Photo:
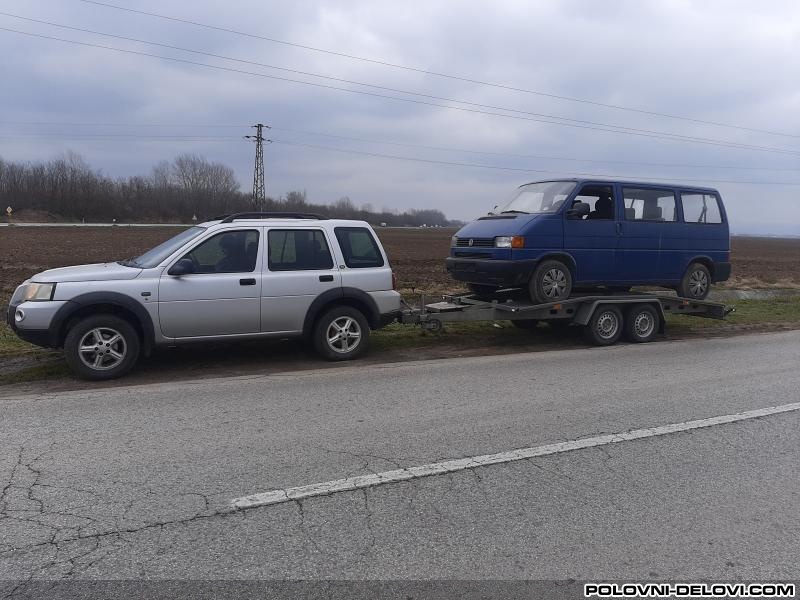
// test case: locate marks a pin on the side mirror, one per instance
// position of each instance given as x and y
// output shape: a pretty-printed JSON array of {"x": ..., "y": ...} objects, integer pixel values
[
  {"x": 578, "y": 210},
  {"x": 183, "y": 267}
]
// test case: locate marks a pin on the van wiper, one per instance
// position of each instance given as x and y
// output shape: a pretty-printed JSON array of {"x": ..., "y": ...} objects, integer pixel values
[
  {"x": 519, "y": 212},
  {"x": 129, "y": 262}
]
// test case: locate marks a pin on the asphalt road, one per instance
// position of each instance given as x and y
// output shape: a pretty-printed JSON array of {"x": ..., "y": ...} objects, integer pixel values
[{"x": 138, "y": 482}]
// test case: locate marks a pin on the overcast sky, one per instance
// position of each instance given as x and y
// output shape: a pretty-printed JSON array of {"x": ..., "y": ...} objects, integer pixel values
[{"x": 713, "y": 60}]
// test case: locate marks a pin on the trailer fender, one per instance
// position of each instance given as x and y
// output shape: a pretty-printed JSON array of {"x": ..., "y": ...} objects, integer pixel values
[{"x": 586, "y": 311}]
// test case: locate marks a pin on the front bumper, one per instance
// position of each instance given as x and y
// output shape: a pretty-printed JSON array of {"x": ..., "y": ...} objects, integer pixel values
[
  {"x": 35, "y": 329},
  {"x": 485, "y": 271}
]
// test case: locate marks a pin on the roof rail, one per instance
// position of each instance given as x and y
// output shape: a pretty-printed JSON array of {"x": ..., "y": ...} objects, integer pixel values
[{"x": 270, "y": 215}]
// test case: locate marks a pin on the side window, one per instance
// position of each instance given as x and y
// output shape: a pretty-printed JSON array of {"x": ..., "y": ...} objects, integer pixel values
[
  {"x": 600, "y": 199},
  {"x": 359, "y": 248},
  {"x": 298, "y": 250},
  {"x": 700, "y": 208},
  {"x": 649, "y": 205},
  {"x": 228, "y": 252}
]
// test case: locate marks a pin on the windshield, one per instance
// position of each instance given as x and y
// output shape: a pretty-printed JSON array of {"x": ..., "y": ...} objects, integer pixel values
[
  {"x": 542, "y": 197},
  {"x": 153, "y": 258}
]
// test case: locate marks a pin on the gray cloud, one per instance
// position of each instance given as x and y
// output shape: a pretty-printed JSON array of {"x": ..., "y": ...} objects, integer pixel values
[{"x": 734, "y": 62}]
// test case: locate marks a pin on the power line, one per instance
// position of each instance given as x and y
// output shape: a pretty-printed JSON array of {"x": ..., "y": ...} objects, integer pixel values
[
  {"x": 602, "y": 127},
  {"x": 439, "y": 74},
  {"x": 112, "y": 138},
  {"x": 609, "y": 126},
  {"x": 533, "y": 156},
  {"x": 404, "y": 158},
  {"x": 226, "y": 138},
  {"x": 524, "y": 170}
]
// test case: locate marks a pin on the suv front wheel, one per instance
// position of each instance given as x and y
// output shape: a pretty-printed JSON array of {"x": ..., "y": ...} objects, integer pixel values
[
  {"x": 101, "y": 347},
  {"x": 342, "y": 333}
]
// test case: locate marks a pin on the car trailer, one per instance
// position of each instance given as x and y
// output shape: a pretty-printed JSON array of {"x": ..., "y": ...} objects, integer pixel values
[{"x": 604, "y": 318}]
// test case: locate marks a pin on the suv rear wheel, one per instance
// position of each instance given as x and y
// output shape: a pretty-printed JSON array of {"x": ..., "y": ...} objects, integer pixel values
[
  {"x": 342, "y": 333},
  {"x": 551, "y": 282},
  {"x": 101, "y": 347}
]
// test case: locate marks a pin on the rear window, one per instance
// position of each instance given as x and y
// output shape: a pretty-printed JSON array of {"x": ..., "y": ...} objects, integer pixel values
[
  {"x": 298, "y": 250},
  {"x": 359, "y": 248},
  {"x": 700, "y": 208}
]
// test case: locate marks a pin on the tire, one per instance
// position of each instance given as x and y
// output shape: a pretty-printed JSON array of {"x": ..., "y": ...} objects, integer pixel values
[
  {"x": 551, "y": 282},
  {"x": 334, "y": 322},
  {"x": 696, "y": 282},
  {"x": 641, "y": 323},
  {"x": 605, "y": 326},
  {"x": 525, "y": 323},
  {"x": 481, "y": 290},
  {"x": 111, "y": 347}
]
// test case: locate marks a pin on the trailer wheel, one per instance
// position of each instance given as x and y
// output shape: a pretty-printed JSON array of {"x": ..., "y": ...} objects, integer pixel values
[
  {"x": 605, "y": 326},
  {"x": 641, "y": 323},
  {"x": 551, "y": 282},
  {"x": 525, "y": 323}
]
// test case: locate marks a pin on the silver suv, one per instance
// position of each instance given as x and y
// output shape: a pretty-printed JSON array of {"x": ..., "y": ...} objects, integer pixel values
[{"x": 248, "y": 275}]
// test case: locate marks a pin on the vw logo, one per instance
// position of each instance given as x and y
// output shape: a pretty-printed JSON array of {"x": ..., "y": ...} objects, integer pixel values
[{"x": 471, "y": 241}]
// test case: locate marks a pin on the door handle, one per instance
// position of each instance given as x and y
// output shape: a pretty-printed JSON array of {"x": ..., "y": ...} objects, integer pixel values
[
  {"x": 619, "y": 228},
  {"x": 326, "y": 277},
  {"x": 249, "y": 281}
]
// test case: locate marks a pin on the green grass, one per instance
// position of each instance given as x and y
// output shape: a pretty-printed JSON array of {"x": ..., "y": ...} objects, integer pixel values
[
  {"x": 748, "y": 312},
  {"x": 11, "y": 345},
  {"x": 35, "y": 373}
]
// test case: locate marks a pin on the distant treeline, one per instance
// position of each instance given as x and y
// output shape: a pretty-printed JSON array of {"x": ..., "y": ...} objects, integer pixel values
[{"x": 188, "y": 187}]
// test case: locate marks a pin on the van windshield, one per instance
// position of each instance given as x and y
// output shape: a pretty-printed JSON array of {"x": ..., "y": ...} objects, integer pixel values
[{"x": 542, "y": 197}]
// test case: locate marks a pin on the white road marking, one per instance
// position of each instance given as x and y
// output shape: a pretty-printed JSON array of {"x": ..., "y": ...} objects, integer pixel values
[{"x": 450, "y": 466}]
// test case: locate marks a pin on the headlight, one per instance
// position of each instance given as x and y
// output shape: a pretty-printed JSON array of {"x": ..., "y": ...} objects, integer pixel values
[
  {"x": 37, "y": 292},
  {"x": 453, "y": 241},
  {"x": 509, "y": 241}
]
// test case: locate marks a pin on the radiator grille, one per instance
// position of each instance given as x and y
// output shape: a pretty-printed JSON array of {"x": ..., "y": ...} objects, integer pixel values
[{"x": 476, "y": 242}]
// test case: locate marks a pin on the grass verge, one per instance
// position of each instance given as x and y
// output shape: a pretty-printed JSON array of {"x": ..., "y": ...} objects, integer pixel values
[{"x": 404, "y": 342}]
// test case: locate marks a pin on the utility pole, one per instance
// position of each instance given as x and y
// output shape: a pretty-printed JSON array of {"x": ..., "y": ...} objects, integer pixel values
[{"x": 259, "y": 194}]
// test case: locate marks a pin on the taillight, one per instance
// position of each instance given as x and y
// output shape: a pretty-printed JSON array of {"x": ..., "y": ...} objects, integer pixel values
[{"x": 394, "y": 281}]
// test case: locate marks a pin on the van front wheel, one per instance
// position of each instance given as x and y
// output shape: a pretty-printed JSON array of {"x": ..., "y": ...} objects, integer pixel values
[
  {"x": 551, "y": 282},
  {"x": 696, "y": 282}
]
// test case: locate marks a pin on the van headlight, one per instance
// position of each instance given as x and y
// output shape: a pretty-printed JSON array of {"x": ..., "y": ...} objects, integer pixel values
[
  {"x": 509, "y": 241},
  {"x": 38, "y": 292},
  {"x": 453, "y": 242}
]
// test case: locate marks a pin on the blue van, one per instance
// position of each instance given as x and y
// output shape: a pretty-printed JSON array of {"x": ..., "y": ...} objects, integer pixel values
[{"x": 556, "y": 236}]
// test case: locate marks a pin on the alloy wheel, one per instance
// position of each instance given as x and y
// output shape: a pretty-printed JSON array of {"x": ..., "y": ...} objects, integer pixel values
[
  {"x": 102, "y": 348},
  {"x": 344, "y": 334}
]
